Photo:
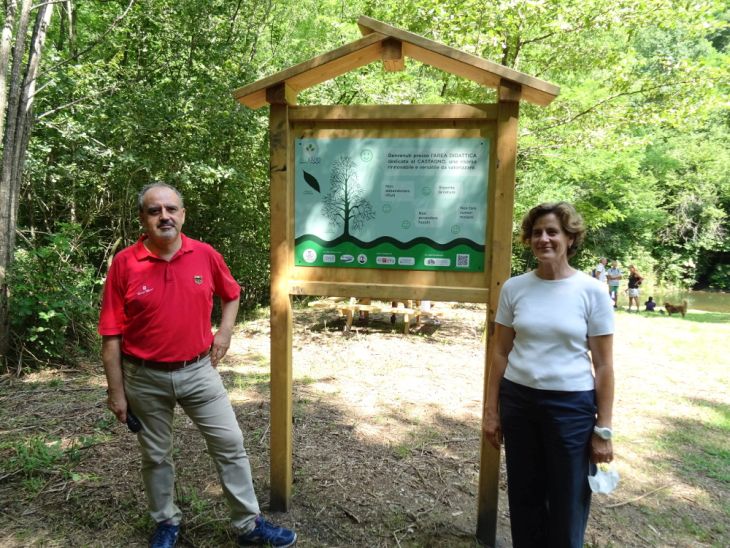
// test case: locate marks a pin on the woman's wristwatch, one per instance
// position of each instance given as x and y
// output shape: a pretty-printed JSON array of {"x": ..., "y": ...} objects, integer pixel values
[{"x": 603, "y": 432}]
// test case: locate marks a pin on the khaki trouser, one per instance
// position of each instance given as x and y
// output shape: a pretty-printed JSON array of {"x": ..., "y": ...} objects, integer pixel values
[{"x": 199, "y": 390}]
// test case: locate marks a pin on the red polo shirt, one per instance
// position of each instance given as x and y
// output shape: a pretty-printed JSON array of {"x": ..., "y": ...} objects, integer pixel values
[{"x": 162, "y": 309}]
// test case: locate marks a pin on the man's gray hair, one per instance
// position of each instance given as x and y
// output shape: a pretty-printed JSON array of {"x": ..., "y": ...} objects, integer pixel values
[{"x": 145, "y": 188}]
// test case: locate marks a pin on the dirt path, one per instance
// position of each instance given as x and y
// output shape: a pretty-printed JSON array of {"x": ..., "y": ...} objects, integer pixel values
[{"x": 386, "y": 442}]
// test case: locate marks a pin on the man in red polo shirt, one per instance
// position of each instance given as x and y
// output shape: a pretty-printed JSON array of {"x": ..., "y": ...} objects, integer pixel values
[{"x": 158, "y": 350}]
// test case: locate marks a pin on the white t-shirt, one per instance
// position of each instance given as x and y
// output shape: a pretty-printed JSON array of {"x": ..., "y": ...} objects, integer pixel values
[
  {"x": 614, "y": 272},
  {"x": 601, "y": 272},
  {"x": 552, "y": 320}
]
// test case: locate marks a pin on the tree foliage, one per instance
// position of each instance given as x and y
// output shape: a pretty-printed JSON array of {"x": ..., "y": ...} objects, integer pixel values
[
  {"x": 131, "y": 92},
  {"x": 54, "y": 292}
]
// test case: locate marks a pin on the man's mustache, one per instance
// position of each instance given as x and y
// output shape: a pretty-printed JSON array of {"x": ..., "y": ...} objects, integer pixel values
[{"x": 162, "y": 224}]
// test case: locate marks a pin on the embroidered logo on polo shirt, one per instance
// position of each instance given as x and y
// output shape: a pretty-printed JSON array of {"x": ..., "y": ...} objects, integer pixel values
[
  {"x": 144, "y": 290},
  {"x": 198, "y": 279}
]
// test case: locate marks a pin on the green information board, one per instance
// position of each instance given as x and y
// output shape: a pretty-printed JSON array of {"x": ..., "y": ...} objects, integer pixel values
[{"x": 408, "y": 204}]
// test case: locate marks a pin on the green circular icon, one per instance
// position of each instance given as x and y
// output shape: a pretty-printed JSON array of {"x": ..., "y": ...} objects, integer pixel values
[
  {"x": 455, "y": 229},
  {"x": 366, "y": 155},
  {"x": 426, "y": 190},
  {"x": 387, "y": 208},
  {"x": 405, "y": 224}
]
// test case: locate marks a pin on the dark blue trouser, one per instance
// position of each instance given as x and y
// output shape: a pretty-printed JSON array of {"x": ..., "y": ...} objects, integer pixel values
[{"x": 546, "y": 441}]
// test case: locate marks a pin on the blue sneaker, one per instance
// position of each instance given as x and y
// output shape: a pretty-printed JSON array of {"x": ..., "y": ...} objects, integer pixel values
[
  {"x": 165, "y": 536},
  {"x": 267, "y": 534}
]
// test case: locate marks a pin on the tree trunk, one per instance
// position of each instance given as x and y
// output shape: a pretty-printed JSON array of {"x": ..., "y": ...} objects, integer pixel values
[
  {"x": 15, "y": 143},
  {"x": 5, "y": 44},
  {"x": 71, "y": 15}
]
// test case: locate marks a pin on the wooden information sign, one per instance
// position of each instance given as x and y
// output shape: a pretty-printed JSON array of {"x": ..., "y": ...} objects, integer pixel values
[{"x": 443, "y": 235}]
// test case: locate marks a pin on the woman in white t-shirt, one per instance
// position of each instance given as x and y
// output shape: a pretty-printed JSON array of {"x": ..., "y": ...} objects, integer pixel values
[{"x": 554, "y": 328}]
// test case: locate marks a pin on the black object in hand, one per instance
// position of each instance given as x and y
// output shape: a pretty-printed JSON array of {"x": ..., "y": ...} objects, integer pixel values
[{"x": 133, "y": 422}]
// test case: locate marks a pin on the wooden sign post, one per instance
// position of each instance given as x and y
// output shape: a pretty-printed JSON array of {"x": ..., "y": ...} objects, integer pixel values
[{"x": 492, "y": 126}]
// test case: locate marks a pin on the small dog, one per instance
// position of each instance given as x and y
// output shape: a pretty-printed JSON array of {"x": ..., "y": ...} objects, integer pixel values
[{"x": 676, "y": 309}]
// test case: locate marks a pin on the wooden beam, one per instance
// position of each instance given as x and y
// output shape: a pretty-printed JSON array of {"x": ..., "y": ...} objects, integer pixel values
[
  {"x": 384, "y": 113},
  {"x": 501, "y": 207},
  {"x": 392, "y": 53},
  {"x": 389, "y": 291},
  {"x": 318, "y": 69},
  {"x": 281, "y": 309},
  {"x": 509, "y": 92},
  {"x": 454, "y": 66},
  {"x": 336, "y": 67},
  {"x": 458, "y": 62},
  {"x": 281, "y": 94},
  {"x": 392, "y": 45}
]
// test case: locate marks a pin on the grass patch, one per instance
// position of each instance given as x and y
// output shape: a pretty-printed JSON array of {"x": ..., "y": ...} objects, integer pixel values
[
  {"x": 306, "y": 380},
  {"x": 696, "y": 316},
  {"x": 192, "y": 500},
  {"x": 384, "y": 444},
  {"x": 708, "y": 317},
  {"x": 402, "y": 451},
  {"x": 257, "y": 381},
  {"x": 38, "y": 458},
  {"x": 701, "y": 443},
  {"x": 34, "y": 455},
  {"x": 106, "y": 422},
  {"x": 417, "y": 441}
]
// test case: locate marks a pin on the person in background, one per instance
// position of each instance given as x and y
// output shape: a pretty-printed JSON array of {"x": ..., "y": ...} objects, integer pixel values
[
  {"x": 554, "y": 327},
  {"x": 650, "y": 305},
  {"x": 159, "y": 350},
  {"x": 635, "y": 280},
  {"x": 614, "y": 275},
  {"x": 600, "y": 271}
]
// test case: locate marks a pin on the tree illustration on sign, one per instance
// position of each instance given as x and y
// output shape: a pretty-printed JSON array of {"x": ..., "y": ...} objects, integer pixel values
[{"x": 345, "y": 204}]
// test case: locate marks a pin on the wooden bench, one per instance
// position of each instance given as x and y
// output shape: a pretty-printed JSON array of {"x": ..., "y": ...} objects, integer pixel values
[{"x": 348, "y": 308}]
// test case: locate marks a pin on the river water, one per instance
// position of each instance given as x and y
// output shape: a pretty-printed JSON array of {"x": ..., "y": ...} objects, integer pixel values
[{"x": 709, "y": 301}]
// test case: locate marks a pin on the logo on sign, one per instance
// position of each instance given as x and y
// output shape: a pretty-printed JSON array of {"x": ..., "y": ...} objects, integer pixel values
[
  {"x": 311, "y": 154},
  {"x": 310, "y": 255},
  {"x": 431, "y": 261}
]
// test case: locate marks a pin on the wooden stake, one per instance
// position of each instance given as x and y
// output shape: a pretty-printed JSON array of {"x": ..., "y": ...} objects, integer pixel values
[
  {"x": 281, "y": 309},
  {"x": 501, "y": 205}
]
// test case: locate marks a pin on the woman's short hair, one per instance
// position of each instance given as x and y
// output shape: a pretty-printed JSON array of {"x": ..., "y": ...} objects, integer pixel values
[{"x": 570, "y": 221}]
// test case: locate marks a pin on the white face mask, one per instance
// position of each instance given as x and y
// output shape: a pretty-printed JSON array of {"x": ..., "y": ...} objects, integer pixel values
[{"x": 605, "y": 480}]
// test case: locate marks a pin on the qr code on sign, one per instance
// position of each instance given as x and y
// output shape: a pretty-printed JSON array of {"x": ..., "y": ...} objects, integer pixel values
[{"x": 462, "y": 260}]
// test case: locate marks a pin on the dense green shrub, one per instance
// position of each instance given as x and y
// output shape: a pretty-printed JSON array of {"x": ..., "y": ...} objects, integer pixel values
[
  {"x": 720, "y": 277},
  {"x": 53, "y": 300}
]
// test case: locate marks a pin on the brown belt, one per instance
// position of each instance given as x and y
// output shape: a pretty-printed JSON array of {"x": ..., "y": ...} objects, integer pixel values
[{"x": 164, "y": 366}]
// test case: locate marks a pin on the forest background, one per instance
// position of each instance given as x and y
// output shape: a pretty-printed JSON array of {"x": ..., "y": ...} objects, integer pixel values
[{"x": 103, "y": 97}]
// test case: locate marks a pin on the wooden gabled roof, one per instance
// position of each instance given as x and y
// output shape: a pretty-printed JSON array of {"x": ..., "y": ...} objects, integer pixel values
[{"x": 391, "y": 44}]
